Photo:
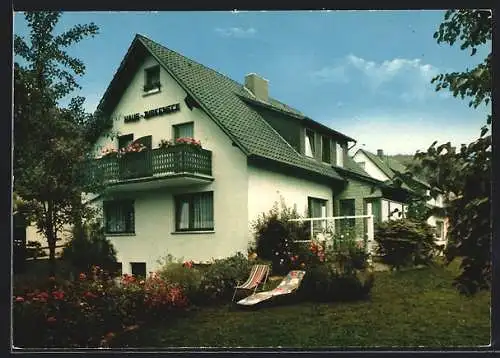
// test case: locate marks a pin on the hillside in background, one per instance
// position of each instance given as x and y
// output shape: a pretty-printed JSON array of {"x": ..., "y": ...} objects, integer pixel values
[{"x": 404, "y": 159}]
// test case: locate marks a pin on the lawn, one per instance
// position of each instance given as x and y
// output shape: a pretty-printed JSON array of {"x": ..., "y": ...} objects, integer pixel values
[{"x": 407, "y": 309}]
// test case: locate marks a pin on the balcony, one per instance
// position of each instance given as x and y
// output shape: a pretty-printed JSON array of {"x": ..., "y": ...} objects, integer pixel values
[{"x": 179, "y": 165}]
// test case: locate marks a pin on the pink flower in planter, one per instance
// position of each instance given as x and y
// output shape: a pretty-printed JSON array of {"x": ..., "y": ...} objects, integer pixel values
[
  {"x": 82, "y": 276},
  {"x": 51, "y": 319},
  {"x": 19, "y": 299}
]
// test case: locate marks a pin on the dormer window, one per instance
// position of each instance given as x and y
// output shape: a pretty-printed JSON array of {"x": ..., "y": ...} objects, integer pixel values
[
  {"x": 309, "y": 143},
  {"x": 152, "y": 79}
]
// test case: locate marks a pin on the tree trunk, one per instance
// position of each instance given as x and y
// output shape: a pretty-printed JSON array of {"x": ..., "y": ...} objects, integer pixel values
[{"x": 51, "y": 239}]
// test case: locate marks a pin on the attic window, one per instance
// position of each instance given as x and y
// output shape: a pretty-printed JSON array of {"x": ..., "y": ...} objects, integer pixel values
[
  {"x": 152, "y": 78},
  {"x": 309, "y": 148}
]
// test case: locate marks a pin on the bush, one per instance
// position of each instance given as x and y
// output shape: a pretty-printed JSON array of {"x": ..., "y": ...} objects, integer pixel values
[
  {"x": 275, "y": 236},
  {"x": 405, "y": 242},
  {"x": 90, "y": 247},
  {"x": 336, "y": 273},
  {"x": 90, "y": 311},
  {"x": 183, "y": 274},
  {"x": 222, "y": 275},
  {"x": 325, "y": 283}
]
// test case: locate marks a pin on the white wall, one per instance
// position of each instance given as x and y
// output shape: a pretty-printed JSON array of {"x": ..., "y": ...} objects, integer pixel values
[
  {"x": 154, "y": 210},
  {"x": 370, "y": 167},
  {"x": 265, "y": 188}
]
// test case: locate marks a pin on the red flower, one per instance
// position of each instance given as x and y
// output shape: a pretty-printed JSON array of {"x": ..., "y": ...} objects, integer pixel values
[
  {"x": 83, "y": 276},
  {"x": 58, "y": 295},
  {"x": 51, "y": 319},
  {"x": 89, "y": 294},
  {"x": 19, "y": 299}
]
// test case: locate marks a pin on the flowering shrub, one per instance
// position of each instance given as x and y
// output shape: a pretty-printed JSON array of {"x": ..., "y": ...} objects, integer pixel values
[
  {"x": 184, "y": 275},
  {"x": 91, "y": 310},
  {"x": 336, "y": 273},
  {"x": 275, "y": 236}
]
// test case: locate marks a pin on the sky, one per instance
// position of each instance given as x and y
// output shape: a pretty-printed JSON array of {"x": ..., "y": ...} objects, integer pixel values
[{"x": 363, "y": 73}]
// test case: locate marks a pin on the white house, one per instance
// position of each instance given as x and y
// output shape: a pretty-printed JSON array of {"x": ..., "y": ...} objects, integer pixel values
[
  {"x": 198, "y": 203},
  {"x": 384, "y": 168}
]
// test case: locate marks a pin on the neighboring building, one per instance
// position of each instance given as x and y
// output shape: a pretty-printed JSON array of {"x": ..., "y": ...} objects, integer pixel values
[
  {"x": 199, "y": 203},
  {"x": 385, "y": 168}
]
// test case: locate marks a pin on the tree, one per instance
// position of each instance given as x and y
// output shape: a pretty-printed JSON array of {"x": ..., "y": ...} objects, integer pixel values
[
  {"x": 464, "y": 175},
  {"x": 50, "y": 142}
]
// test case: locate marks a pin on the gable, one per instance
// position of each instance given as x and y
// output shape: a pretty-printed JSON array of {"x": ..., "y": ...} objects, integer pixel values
[
  {"x": 220, "y": 98},
  {"x": 370, "y": 167}
]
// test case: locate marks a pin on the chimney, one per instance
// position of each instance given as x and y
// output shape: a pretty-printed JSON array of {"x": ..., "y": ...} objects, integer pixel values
[
  {"x": 380, "y": 153},
  {"x": 258, "y": 86}
]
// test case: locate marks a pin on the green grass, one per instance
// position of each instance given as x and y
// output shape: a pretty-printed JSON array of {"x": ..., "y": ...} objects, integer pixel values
[{"x": 407, "y": 309}]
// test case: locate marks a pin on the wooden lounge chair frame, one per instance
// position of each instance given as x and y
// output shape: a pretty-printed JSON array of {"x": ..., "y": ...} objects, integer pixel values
[{"x": 258, "y": 275}]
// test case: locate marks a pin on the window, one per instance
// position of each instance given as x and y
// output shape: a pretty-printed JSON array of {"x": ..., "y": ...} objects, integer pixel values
[
  {"x": 395, "y": 210},
  {"x": 309, "y": 149},
  {"x": 347, "y": 208},
  {"x": 119, "y": 217},
  {"x": 184, "y": 130},
  {"x": 325, "y": 149},
  {"x": 317, "y": 209},
  {"x": 152, "y": 78},
  {"x": 439, "y": 230},
  {"x": 340, "y": 155},
  {"x": 362, "y": 164},
  {"x": 194, "y": 212},
  {"x": 138, "y": 269},
  {"x": 125, "y": 140}
]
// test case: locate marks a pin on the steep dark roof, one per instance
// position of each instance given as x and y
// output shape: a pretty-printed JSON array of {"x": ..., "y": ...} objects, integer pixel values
[{"x": 221, "y": 98}]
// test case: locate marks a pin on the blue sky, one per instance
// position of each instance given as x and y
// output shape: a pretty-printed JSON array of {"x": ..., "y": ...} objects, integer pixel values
[{"x": 364, "y": 73}]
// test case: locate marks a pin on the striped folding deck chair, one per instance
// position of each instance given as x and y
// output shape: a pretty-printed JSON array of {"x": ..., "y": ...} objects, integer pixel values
[{"x": 258, "y": 275}]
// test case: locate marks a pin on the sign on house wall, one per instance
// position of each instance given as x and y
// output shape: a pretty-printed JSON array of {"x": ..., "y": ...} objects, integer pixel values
[{"x": 152, "y": 113}]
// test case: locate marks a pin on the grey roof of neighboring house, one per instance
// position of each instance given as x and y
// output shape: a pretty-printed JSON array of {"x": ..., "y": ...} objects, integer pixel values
[{"x": 390, "y": 166}]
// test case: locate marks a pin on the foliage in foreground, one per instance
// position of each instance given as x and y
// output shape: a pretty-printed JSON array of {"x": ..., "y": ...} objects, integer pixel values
[
  {"x": 90, "y": 311},
  {"x": 464, "y": 176},
  {"x": 405, "y": 243},
  {"x": 51, "y": 142}
]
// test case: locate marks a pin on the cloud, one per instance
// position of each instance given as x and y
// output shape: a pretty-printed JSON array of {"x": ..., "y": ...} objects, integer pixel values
[
  {"x": 331, "y": 74},
  {"x": 237, "y": 32},
  {"x": 404, "y": 134},
  {"x": 408, "y": 79}
]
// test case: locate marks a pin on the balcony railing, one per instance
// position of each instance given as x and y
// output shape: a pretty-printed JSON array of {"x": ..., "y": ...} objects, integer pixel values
[{"x": 151, "y": 163}]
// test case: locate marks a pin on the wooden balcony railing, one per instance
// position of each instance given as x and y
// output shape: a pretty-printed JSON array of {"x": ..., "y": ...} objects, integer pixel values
[{"x": 181, "y": 158}]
